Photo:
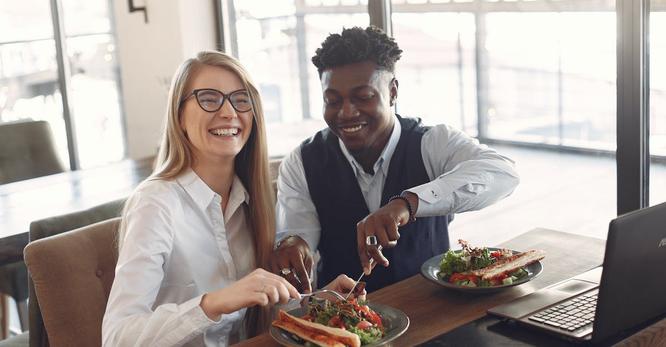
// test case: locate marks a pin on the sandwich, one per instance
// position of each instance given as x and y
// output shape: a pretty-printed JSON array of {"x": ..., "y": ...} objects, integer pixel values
[
  {"x": 482, "y": 267},
  {"x": 316, "y": 333},
  {"x": 509, "y": 264}
]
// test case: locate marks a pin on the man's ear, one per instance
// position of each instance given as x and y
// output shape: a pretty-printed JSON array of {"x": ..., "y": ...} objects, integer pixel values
[{"x": 393, "y": 89}]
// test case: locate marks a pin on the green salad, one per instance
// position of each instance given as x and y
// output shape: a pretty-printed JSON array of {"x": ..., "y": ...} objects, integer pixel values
[
  {"x": 350, "y": 315},
  {"x": 458, "y": 267}
]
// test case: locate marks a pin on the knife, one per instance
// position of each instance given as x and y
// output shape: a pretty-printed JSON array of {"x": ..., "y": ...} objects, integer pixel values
[{"x": 379, "y": 248}]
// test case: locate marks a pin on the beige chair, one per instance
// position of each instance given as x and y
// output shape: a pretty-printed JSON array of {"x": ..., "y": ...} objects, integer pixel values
[
  {"x": 27, "y": 150},
  {"x": 72, "y": 275},
  {"x": 53, "y": 226},
  {"x": 274, "y": 169}
]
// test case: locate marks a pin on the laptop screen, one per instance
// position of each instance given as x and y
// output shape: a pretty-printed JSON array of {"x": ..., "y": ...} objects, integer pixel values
[{"x": 634, "y": 272}]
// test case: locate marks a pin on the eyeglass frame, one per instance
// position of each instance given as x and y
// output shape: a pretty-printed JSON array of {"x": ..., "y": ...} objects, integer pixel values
[{"x": 225, "y": 97}]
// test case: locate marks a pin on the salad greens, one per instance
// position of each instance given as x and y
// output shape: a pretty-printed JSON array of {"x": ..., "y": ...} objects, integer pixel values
[
  {"x": 350, "y": 315},
  {"x": 456, "y": 266}
]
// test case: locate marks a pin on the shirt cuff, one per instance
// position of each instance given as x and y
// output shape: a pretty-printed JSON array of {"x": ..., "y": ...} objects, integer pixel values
[
  {"x": 196, "y": 315},
  {"x": 433, "y": 198},
  {"x": 194, "y": 322}
]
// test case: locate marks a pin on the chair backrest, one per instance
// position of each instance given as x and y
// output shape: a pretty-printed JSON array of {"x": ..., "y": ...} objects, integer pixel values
[
  {"x": 27, "y": 150},
  {"x": 274, "y": 169},
  {"x": 54, "y": 226},
  {"x": 72, "y": 275}
]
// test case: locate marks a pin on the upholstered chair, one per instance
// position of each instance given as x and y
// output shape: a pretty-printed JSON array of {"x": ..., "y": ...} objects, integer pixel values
[
  {"x": 53, "y": 226},
  {"x": 72, "y": 275},
  {"x": 27, "y": 150}
]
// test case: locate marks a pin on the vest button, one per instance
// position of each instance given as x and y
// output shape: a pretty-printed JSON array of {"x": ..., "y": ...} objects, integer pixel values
[{"x": 99, "y": 273}]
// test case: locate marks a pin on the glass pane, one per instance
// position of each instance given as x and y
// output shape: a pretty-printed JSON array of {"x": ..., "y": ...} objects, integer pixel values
[
  {"x": 437, "y": 64},
  {"x": 28, "y": 70},
  {"x": 25, "y": 20},
  {"x": 553, "y": 83},
  {"x": 95, "y": 99},
  {"x": 86, "y": 17},
  {"x": 275, "y": 43},
  {"x": 537, "y": 74},
  {"x": 657, "y": 113}
]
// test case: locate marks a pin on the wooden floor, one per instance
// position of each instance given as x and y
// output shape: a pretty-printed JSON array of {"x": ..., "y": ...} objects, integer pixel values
[{"x": 575, "y": 193}]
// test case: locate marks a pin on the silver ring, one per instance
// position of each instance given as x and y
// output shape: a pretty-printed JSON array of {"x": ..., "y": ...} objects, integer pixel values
[
  {"x": 371, "y": 240},
  {"x": 285, "y": 271}
]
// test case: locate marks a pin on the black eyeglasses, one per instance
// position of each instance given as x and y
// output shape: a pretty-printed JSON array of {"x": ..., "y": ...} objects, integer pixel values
[{"x": 211, "y": 100}]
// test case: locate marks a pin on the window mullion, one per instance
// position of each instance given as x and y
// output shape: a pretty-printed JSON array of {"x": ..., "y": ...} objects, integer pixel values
[{"x": 62, "y": 60}]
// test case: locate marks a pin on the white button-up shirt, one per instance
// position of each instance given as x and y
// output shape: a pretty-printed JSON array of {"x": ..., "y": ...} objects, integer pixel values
[
  {"x": 178, "y": 245},
  {"x": 464, "y": 176}
]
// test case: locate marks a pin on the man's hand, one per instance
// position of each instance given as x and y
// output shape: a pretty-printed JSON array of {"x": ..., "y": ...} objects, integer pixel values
[
  {"x": 343, "y": 284},
  {"x": 383, "y": 224},
  {"x": 293, "y": 260}
]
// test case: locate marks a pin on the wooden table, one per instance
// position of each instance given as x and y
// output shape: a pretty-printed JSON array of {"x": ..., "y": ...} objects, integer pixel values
[
  {"x": 434, "y": 310},
  {"x": 26, "y": 201}
]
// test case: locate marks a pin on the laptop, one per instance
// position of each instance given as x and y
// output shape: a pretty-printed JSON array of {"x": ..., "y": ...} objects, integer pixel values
[{"x": 626, "y": 291}]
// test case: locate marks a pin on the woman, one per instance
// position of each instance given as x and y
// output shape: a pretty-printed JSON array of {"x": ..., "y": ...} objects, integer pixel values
[{"x": 196, "y": 234}]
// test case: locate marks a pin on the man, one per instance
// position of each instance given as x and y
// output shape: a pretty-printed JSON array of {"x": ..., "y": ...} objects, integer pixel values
[{"x": 375, "y": 176}]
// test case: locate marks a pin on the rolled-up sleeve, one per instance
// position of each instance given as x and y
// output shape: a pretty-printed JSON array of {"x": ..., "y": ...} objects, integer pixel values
[
  {"x": 465, "y": 175},
  {"x": 130, "y": 318}
]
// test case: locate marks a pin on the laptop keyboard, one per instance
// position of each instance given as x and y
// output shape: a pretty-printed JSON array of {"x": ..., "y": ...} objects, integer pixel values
[{"x": 570, "y": 315}]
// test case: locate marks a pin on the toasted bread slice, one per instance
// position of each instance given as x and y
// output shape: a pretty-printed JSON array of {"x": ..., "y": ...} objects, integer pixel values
[
  {"x": 509, "y": 264},
  {"x": 316, "y": 333}
]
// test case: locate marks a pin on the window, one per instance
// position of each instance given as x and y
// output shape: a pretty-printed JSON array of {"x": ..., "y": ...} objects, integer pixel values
[
  {"x": 94, "y": 90},
  {"x": 437, "y": 63},
  {"x": 521, "y": 73},
  {"x": 28, "y": 69},
  {"x": 31, "y": 82},
  {"x": 551, "y": 77},
  {"x": 657, "y": 111},
  {"x": 534, "y": 78},
  {"x": 275, "y": 43}
]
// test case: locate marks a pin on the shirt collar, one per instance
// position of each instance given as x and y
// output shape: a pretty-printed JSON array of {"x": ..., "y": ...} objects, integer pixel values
[
  {"x": 238, "y": 194},
  {"x": 202, "y": 195},
  {"x": 387, "y": 152}
]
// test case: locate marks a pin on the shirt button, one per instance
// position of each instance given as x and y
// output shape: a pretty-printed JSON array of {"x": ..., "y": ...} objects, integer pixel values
[{"x": 433, "y": 193}]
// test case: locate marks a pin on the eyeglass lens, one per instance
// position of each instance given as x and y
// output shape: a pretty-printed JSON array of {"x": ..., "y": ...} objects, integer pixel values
[{"x": 212, "y": 100}]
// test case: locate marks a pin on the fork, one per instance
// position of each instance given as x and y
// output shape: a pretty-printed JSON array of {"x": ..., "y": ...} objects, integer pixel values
[{"x": 320, "y": 291}]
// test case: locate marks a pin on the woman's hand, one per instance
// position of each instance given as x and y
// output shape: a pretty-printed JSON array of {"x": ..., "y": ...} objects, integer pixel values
[
  {"x": 260, "y": 287},
  {"x": 343, "y": 284}
]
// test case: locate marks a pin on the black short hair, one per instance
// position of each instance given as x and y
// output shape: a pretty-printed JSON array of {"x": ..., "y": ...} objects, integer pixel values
[{"x": 356, "y": 45}]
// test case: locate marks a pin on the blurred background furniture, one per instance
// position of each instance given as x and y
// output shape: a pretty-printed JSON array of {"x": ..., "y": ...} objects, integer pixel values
[
  {"x": 15, "y": 341},
  {"x": 57, "y": 225},
  {"x": 27, "y": 150},
  {"x": 14, "y": 284},
  {"x": 274, "y": 169},
  {"x": 72, "y": 275},
  {"x": 26, "y": 201}
]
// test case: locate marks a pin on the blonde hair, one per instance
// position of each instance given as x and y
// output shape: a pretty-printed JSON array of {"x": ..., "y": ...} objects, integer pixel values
[{"x": 251, "y": 164}]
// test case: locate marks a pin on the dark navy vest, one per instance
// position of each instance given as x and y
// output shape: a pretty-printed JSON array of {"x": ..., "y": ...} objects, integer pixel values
[{"x": 340, "y": 205}]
